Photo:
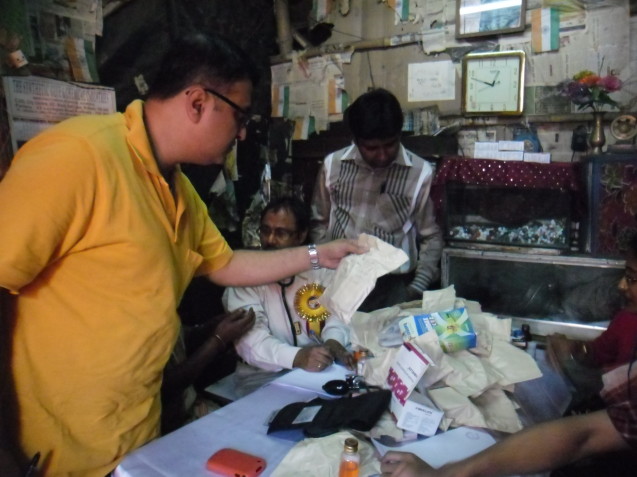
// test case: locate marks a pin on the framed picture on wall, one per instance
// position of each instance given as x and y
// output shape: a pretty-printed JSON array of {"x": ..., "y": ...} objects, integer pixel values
[{"x": 476, "y": 18}]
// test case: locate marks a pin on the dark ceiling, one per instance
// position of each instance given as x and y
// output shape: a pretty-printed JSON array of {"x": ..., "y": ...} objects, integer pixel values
[{"x": 138, "y": 31}]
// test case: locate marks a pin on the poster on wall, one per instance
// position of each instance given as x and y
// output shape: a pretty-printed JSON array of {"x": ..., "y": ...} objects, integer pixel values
[
  {"x": 309, "y": 91},
  {"x": 62, "y": 37},
  {"x": 35, "y": 103}
]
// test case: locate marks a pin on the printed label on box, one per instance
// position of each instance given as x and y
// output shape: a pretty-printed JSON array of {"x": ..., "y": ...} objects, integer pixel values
[
  {"x": 408, "y": 367},
  {"x": 454, "y": 329},
  {"x": 418, "y": 414}
]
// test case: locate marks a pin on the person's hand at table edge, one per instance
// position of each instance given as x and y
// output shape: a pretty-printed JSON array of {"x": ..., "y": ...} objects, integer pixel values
[{"x": 405, "y": 464}]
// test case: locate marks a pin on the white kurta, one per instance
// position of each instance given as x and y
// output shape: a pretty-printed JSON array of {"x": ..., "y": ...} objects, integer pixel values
[{"x": 269, "y": 344}]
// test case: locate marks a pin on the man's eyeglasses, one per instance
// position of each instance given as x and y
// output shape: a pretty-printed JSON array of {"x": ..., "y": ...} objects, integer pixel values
[
  {"x": 244, "y": 117},
  {"x": 279, "y": 233}
]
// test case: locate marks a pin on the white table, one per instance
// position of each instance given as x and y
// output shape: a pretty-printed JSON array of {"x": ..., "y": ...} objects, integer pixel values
[{"x": 241, "y": 425}]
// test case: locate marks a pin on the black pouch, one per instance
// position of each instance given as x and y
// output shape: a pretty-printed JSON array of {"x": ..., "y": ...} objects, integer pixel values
[{"x": 322, "y": 417}]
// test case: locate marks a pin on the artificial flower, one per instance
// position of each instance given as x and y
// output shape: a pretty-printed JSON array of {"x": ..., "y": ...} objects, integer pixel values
[{"x": 589, "y": 90}]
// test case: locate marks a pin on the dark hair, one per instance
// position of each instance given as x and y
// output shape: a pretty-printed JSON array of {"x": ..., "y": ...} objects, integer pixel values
[
  {"x": 291, "y": 204},
  {"x": 201, "y": 58},
  {"x": 374, "y": 115}
]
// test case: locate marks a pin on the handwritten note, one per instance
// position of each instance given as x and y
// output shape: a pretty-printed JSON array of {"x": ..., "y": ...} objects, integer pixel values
[{"x": 431, "y": 81}]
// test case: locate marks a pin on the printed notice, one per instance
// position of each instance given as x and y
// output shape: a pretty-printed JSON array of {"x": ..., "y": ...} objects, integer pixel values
[
  {"x": 431, "y": 81},
  {"x": 35, "y": 103}
]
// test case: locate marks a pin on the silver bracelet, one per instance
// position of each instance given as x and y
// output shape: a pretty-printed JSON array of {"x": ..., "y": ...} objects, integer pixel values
[
  {"x": 314, "y": 258},
  {"x": 223, "y": 343}
]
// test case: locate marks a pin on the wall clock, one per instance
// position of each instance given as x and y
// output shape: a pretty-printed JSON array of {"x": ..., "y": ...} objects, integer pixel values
[{"x": 493, "y": 83}]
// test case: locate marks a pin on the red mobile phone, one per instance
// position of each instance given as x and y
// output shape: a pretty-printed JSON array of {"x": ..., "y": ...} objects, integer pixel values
[{"x": 234, "y": 463}]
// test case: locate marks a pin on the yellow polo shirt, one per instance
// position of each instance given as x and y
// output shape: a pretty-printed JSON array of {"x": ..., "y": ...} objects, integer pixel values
[{"x": 99, "y": 253}]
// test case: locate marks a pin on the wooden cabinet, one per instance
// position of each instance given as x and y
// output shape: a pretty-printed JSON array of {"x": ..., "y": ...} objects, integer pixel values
[{"x": 611, "y": 183}]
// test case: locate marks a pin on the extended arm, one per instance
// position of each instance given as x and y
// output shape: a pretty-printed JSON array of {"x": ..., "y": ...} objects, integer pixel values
[
  {"x": 545, "y": 446},
  {"x": 251, "y": 267}
]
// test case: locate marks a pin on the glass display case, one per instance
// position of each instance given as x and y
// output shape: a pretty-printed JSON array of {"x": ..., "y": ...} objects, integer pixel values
[
  {"x": 509, "y": 203},
  {"x": 574, "y": 295},
  {"x": 508, "y": 216}
]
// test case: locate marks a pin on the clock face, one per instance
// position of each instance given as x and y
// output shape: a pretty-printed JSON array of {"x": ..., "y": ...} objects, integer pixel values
[{"x": 493, "y": 83}]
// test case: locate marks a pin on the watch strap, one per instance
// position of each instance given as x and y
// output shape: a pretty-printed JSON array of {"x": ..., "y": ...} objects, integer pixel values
[{"x": 314, "y": 258}]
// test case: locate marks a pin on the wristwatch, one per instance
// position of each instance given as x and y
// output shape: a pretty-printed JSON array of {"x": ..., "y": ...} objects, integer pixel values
[{"x": 314, "y": 259}]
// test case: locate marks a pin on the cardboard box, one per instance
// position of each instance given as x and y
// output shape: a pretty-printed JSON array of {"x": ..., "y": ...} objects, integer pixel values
[
  {"x": 418, "y": 414},
  {"x": 413, "y": 411},
  {"x": 406, "y": 370},
  {"x": 454, "y": 329}
]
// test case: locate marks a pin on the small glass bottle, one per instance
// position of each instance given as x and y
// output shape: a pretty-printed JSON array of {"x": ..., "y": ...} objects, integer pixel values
[
  {"x": 350, "y": 459},
  {"x": 361, "y": 361}
]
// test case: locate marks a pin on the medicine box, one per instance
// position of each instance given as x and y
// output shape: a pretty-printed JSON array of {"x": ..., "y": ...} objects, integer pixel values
[
  {"x": 408, "y": 367},
  {"x": 418, "y": 414},
  {"x": 454, "y": 329},
  {"x": 413, "y": 411}
]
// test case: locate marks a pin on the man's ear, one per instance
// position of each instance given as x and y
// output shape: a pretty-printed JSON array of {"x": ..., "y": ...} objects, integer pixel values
[
  {"x": 195, "y": 104},
  {"x": 303, "y": 235}
]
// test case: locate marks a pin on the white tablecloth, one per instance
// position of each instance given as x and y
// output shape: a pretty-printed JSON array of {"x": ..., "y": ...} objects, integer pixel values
[{"x": 241, "y": 425}]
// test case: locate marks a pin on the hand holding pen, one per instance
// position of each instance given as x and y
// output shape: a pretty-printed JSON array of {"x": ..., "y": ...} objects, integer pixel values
[
  {"x": 337, "y": 351},
  {"x": 313, "y": 358}
]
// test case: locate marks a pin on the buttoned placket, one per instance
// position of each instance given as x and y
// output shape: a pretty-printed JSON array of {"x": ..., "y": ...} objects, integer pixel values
[{"x": 172, "y": 205}]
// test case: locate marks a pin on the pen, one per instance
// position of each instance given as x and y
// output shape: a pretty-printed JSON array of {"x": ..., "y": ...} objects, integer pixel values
[
  {"x": 33, "y": 465},
  {"x": 315, "y": 337}
]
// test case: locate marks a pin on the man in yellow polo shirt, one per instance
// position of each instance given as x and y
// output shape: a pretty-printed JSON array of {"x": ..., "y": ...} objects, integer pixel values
[{"x": 100, "y": 234}]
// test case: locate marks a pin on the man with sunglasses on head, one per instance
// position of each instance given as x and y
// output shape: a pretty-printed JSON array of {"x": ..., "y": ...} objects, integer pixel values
[
  {"x": 283, "y": 337},
  {"x": 101, "y": 234},
  {"x": 378, "y": 187}
]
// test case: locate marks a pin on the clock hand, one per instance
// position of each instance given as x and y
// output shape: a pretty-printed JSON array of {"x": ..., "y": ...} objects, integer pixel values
[
  {"x": 495, "y": 78},
  {"x": 481, "y": 81}
]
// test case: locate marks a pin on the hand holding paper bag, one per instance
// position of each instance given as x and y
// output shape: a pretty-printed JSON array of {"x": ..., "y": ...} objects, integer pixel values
[{"x": 356, "y": 275}]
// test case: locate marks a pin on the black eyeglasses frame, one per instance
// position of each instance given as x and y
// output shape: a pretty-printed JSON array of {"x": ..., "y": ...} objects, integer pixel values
[{"x": 246, "y": 115}]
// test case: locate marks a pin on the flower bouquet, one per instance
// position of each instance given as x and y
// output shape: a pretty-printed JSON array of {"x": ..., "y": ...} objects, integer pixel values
[{"x": 589, "y": 90}]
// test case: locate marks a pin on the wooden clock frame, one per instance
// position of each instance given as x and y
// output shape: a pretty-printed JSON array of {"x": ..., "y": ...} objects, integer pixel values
[{"x": 512, "y": 81}]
